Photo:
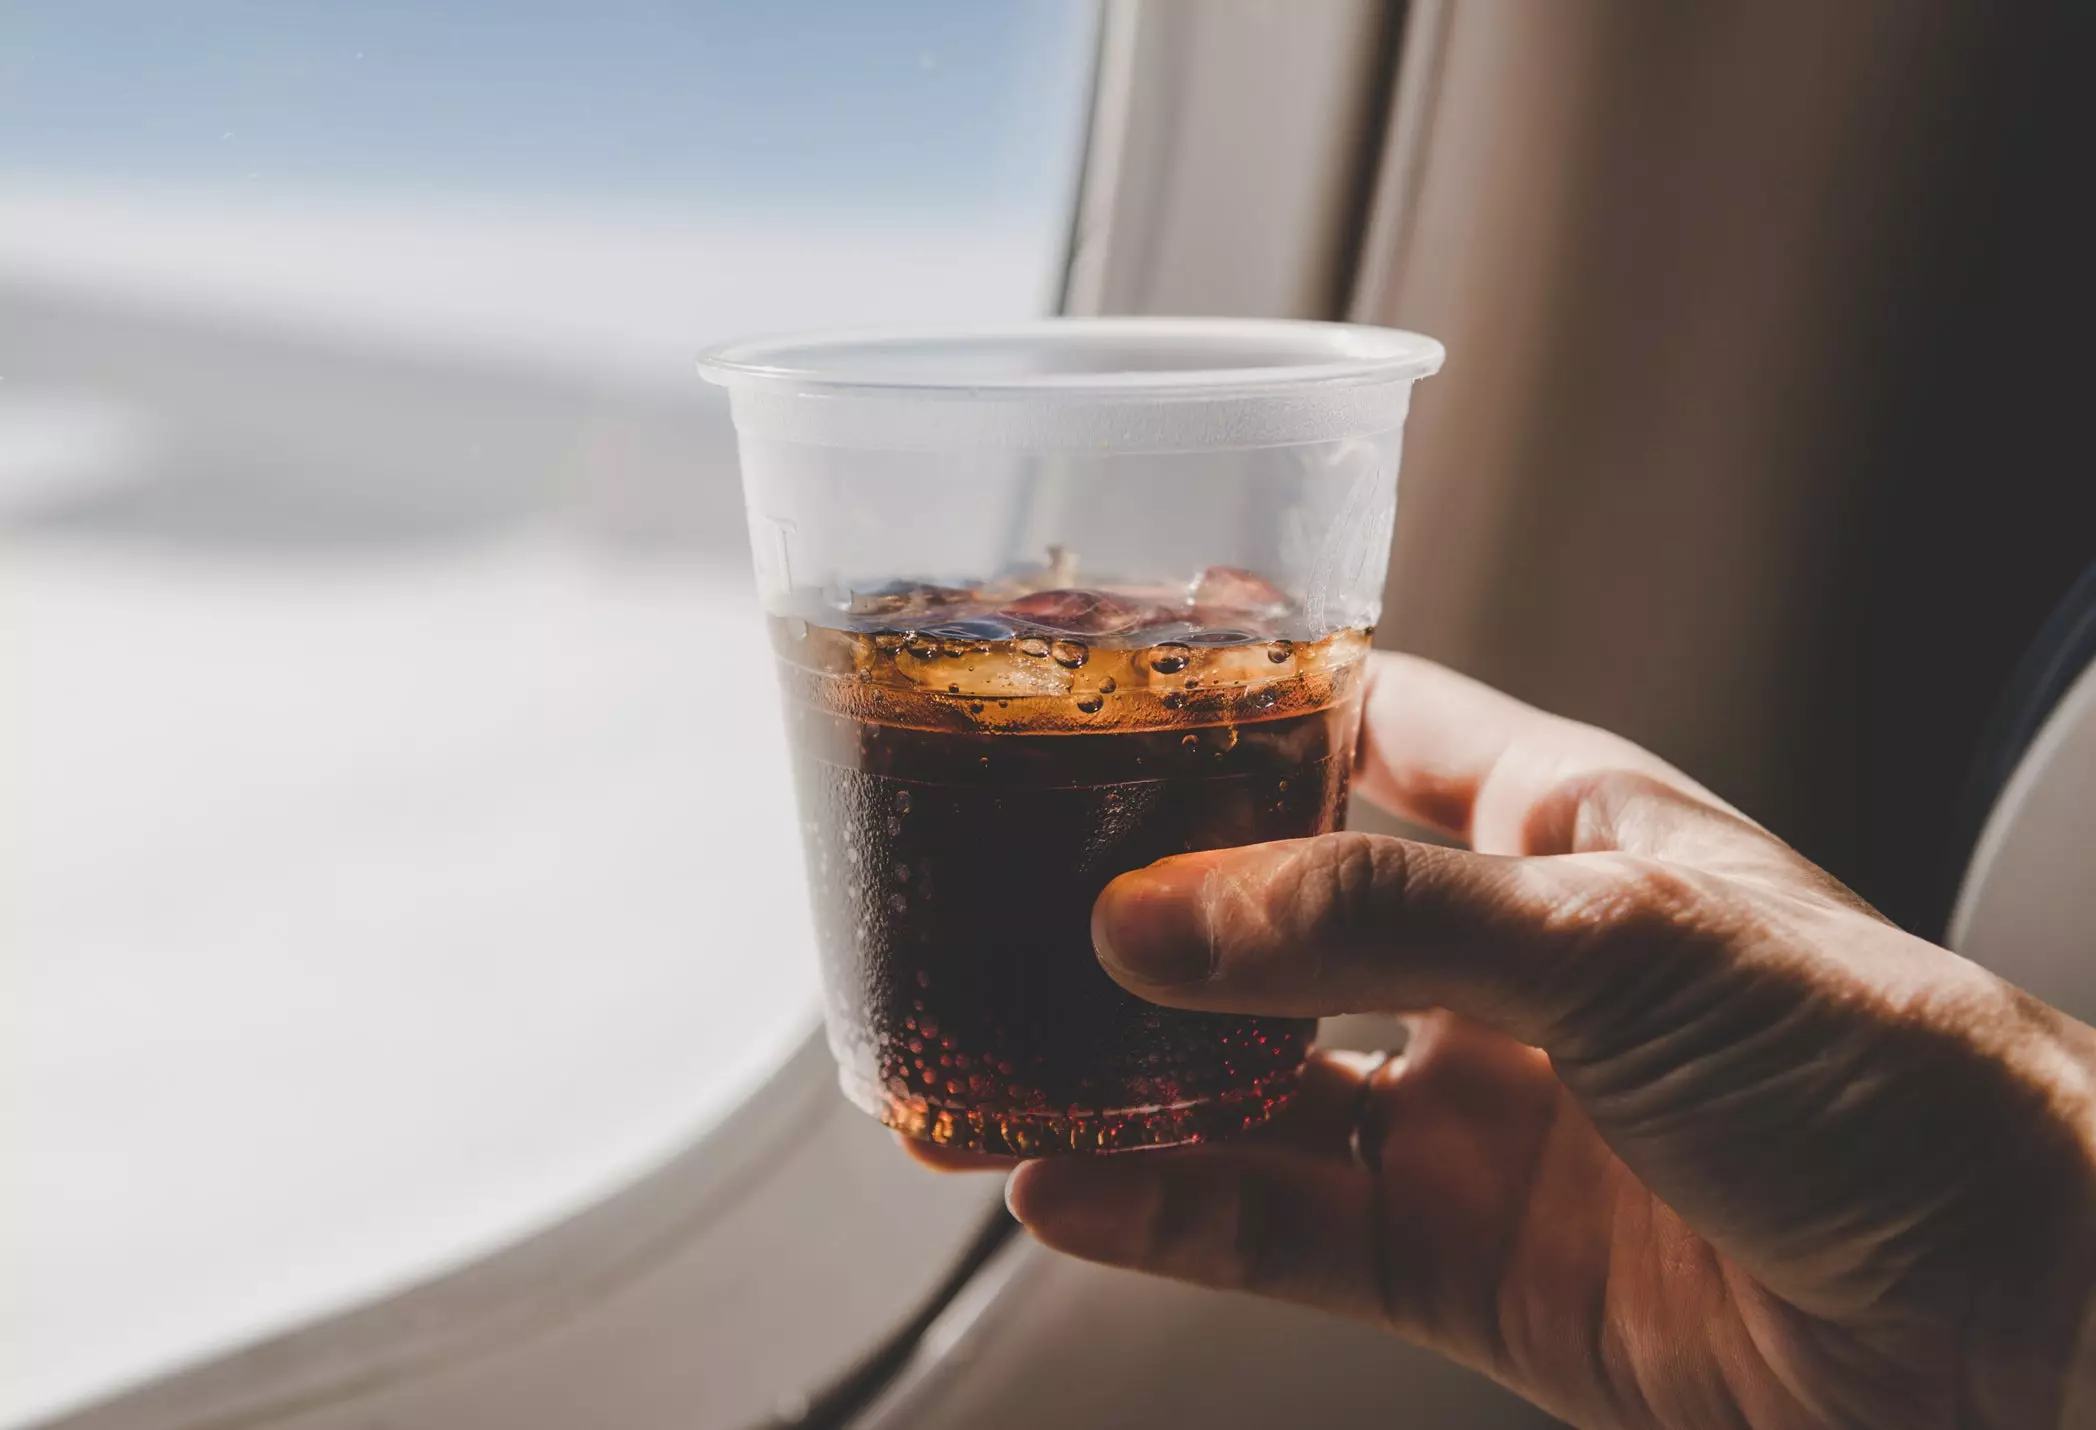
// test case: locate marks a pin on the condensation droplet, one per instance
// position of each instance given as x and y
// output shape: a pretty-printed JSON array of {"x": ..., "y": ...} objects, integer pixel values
[
  {"x": 1090, "y": 704},
  {"x": 1190, "y": 741},
  {"x": 898, "y": 902},
  {"x": 902, "y": 800},
  {"x": 1033, "y": 646},
  {"x": 1070, "y": 654},
  {"x": 1106, "y": 686},
  {"x": 1280, "y": 651},
  {"x": 902, "y": 872}
]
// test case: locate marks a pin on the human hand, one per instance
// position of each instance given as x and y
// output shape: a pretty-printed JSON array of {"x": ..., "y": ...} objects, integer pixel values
[{"x": 1693, "y": 1138}]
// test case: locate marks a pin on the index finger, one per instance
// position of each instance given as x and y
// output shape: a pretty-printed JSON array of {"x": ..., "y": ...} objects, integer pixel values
[{"x": 1455, "y": 755}]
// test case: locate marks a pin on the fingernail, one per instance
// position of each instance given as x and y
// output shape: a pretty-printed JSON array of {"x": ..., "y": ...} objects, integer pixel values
[{"x": 1152, "y": 925}]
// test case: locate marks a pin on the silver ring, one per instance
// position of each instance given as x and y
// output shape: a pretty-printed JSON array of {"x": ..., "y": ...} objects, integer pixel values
[{"x": 1361, "y": 1108}]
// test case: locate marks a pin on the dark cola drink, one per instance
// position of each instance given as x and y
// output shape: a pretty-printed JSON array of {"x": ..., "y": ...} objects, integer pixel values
[{"x": 973, "y": 767}]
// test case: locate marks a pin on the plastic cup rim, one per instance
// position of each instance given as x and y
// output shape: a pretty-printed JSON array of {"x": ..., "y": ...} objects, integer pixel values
[{"x": 1340, "y": 355}]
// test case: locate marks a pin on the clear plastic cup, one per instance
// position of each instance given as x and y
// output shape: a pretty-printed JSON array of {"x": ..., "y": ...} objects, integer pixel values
[{"x": 1049, "y": 602}]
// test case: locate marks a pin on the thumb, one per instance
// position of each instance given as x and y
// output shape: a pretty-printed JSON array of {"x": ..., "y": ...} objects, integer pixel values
[{"x": 1540, "y": 947}]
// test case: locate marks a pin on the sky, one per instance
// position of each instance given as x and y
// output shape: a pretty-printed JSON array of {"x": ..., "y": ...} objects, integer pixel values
[{"x": 967, "y": 105}]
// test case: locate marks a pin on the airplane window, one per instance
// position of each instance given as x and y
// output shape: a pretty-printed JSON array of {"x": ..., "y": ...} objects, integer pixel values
[{"x": 397, "y": 838}]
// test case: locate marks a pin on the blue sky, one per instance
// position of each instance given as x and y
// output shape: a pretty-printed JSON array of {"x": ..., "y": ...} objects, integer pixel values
[{"x": 723, "y": 104}]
